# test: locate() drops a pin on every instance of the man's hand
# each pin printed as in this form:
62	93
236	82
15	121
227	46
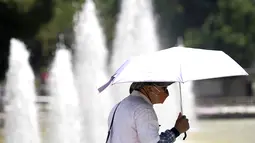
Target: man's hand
182	123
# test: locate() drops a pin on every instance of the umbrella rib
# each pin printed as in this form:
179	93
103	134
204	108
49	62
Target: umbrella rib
181	78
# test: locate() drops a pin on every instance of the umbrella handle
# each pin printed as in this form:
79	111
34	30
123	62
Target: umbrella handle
185	135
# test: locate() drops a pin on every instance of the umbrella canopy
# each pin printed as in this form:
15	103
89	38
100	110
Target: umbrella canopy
176	64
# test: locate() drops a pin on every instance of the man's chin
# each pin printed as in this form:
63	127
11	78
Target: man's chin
159	103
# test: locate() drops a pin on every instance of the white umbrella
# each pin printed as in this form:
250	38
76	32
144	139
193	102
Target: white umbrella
176	64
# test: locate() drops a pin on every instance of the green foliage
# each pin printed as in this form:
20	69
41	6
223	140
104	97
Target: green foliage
61	21
230	29
107	13
227	25
168	16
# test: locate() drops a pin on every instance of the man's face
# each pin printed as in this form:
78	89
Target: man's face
163	94
159	94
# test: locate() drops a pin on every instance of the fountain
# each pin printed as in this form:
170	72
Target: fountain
90	72
64	125
135	35
21	125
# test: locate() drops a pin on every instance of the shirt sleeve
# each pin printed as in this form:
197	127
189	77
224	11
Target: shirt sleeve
148	128
167	137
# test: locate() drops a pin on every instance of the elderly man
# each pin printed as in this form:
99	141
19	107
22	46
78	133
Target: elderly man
134	120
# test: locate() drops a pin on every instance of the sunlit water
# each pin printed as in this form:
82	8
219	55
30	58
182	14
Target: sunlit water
135	34
64	119
21	125
90	73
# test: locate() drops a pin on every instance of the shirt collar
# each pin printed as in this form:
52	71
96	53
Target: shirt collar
140	94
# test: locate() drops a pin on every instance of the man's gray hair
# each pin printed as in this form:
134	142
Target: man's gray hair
139	85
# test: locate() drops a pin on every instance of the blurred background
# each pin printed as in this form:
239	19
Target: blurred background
224	108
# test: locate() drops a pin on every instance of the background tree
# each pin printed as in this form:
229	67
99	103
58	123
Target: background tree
22	22
231	29
226	25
